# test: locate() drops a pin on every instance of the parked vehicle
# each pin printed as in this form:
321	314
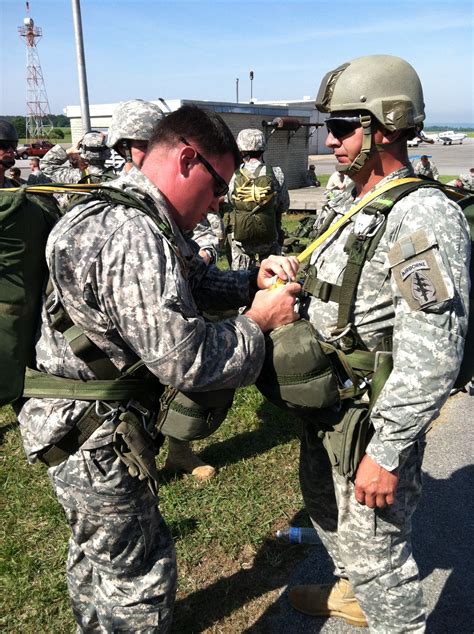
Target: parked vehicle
38	148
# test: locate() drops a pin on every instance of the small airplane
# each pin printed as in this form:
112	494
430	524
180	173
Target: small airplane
449	137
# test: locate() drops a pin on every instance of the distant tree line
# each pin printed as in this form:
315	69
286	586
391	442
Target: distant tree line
441	128
58	121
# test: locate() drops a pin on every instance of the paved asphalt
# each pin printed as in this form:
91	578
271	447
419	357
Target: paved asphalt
442	538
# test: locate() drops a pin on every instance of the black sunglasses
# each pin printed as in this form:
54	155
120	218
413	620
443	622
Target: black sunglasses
8	145
220	186
340	127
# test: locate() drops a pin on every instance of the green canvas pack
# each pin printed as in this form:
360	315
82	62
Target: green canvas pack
254	202
25	222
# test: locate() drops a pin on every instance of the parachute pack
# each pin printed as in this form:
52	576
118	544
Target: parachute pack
254	200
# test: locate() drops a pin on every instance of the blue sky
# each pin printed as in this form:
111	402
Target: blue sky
197	49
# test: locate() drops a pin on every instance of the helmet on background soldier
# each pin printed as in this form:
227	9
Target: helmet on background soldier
93	148
251	140
384	87
133	120
9	135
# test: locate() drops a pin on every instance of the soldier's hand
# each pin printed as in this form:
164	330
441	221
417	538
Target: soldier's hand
271	310
283	267
375	487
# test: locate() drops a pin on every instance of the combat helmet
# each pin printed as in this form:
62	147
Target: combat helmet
8	133
133	120
251	140
93	148
385	87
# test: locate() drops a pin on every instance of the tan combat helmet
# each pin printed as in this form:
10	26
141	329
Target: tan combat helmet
384	86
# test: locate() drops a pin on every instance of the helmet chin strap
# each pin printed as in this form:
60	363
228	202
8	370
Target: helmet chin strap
365	151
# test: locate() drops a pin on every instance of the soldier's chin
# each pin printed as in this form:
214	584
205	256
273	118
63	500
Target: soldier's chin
8	163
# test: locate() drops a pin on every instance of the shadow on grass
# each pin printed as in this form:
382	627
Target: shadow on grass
4	429
271	569
277	428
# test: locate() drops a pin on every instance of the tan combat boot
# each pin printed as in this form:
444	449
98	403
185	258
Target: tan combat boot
328	600
182	458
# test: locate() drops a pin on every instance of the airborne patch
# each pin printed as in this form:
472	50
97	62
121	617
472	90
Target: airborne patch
416	271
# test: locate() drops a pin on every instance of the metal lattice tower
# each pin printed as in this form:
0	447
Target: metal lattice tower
38	114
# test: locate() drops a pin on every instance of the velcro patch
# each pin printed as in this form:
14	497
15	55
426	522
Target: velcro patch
416	271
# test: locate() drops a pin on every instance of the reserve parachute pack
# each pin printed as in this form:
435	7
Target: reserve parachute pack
254	200
339	381
27	215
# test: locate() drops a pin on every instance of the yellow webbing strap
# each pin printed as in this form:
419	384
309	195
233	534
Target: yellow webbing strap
342	221
63	188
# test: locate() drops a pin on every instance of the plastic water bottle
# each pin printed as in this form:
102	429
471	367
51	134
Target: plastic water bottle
297	535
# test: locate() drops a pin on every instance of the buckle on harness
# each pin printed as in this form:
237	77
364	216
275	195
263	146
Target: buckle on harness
380	355
146	417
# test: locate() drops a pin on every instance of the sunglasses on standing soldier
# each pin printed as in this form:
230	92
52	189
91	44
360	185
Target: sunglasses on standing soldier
340	127
220	186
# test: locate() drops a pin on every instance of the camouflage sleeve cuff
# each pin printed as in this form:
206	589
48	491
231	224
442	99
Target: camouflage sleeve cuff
383	453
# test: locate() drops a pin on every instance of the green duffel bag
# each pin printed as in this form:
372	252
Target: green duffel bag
192	415
346	440
302	372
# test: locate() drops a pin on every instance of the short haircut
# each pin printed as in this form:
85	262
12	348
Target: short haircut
15	170
205	128
423	156
35	160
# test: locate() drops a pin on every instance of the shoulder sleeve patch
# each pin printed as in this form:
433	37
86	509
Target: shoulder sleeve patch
416	271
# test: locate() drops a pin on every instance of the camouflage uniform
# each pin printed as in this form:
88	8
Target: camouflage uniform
372	547
467	181
246	256
131	290
209	235
430	170
55	165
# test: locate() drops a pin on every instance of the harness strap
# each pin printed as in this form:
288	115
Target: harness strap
75	437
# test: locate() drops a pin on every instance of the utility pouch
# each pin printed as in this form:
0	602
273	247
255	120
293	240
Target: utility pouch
346	441
301	371
136	449
192	415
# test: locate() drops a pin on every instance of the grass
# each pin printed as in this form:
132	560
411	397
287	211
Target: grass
222	529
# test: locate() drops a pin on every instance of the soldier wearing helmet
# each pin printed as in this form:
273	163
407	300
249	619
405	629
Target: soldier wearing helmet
8	145
246	251
83	162
131	128
409	301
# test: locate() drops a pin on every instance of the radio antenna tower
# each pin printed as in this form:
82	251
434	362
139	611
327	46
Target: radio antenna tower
38	115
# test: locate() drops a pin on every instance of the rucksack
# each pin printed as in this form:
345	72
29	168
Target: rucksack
254	201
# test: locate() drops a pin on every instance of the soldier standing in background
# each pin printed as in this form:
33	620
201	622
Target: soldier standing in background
252	241
8	145
84	162
36	176
375	105
425	167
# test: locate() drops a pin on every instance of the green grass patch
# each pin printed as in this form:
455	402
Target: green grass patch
218	526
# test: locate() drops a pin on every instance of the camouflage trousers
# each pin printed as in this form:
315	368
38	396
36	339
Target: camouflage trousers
121	567
245	257
370	547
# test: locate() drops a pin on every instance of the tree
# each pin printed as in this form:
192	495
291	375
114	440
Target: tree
56	133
